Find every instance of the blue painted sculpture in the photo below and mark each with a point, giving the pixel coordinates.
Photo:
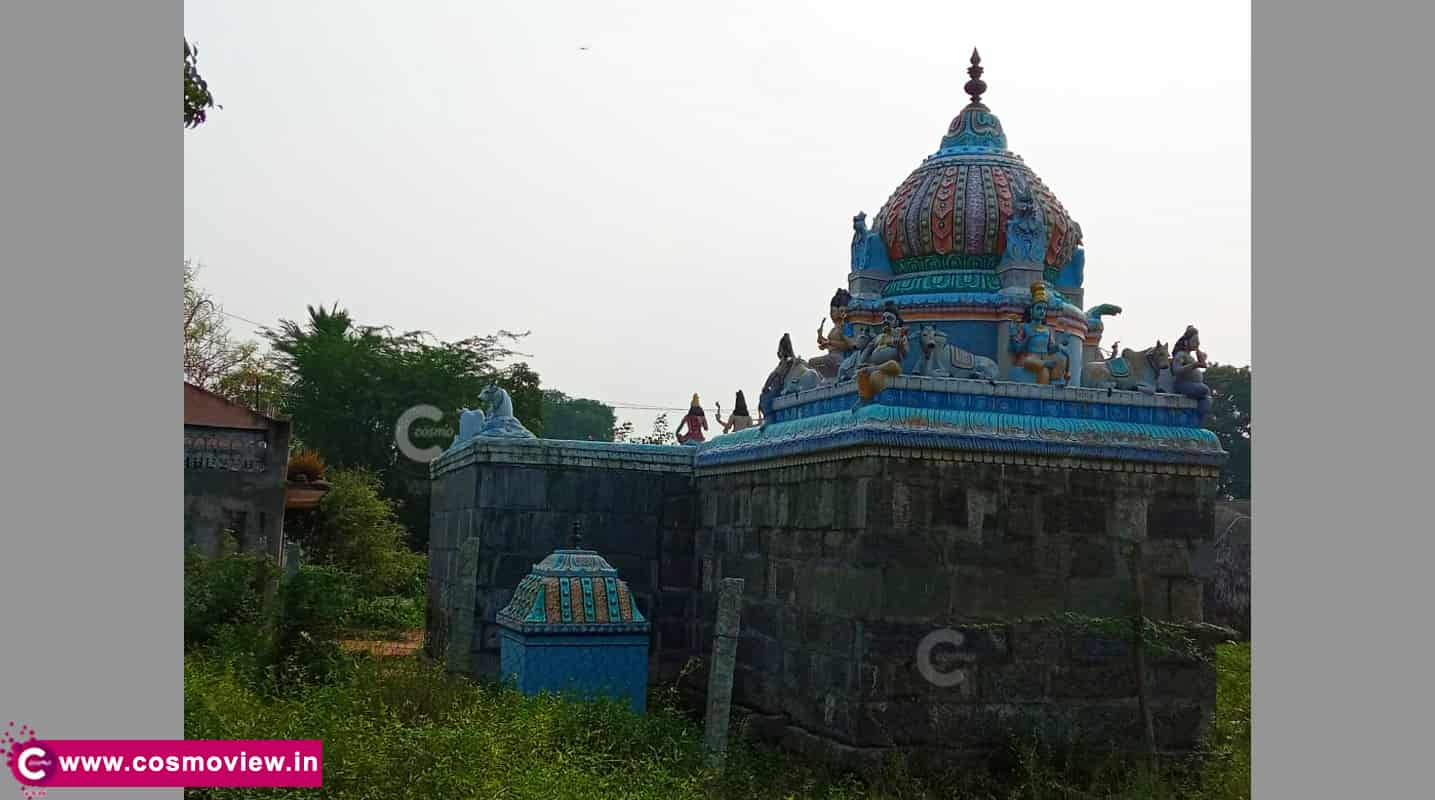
(470, 424)
(572, 628)
(1036, 344)
(499, 421)
(868, 252)
(1187, 365)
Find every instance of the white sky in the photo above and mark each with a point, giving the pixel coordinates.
(660, 208)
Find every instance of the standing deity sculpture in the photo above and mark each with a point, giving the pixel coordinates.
(838, 342)
(1026, 230)
(690, 429)
(1188, 363)
(1036, 345)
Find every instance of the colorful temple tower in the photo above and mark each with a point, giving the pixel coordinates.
(961, 241)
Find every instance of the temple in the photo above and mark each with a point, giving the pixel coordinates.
(961, 327)
(957, 458)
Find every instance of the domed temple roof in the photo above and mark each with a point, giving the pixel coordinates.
(572, 591)
(951, 212)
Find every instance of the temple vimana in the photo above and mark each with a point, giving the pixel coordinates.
(945, 516)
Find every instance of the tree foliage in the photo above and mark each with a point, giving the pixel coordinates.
(575, 418)
(1230, 419)
(209, 351)
(348, 385)
(197, 97)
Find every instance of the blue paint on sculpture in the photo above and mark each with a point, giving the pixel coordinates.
(1187, 365)
(1073, 274)
(498, 422)
(868, 252)
(572, 627)
(1040, 348)
(470, 424)
(1025, 231)
(501, 421)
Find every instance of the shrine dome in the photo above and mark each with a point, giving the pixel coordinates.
(572, 591)
(951, 212)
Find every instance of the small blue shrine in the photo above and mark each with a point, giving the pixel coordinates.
(572, 628)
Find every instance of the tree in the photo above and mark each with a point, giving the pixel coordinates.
(575, 418)
(660, 434)
(1230, 419)
(209, 352)
(259, 382)
(348, 385)
(197, 97)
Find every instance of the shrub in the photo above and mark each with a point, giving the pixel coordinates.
(306, 465)
(355, 528)
(393, 613)
(224, 591)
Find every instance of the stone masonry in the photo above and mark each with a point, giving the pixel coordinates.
(848, 563)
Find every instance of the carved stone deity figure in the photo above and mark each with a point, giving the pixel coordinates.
(1188, 363)
(838, 342)
(1036, 346)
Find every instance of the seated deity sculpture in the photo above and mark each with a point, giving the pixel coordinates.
(1188, 363)
(690, 429)
(882, 356)
(1035, 346)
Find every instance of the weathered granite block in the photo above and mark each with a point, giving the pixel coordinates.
(1013, 682)
(1175, 515)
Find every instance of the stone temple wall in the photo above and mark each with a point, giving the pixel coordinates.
(500, 509)
(849, 562)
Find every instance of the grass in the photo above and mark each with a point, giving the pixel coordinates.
(398, 728)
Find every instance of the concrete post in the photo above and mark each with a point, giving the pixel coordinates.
(293, 557)
(724, 659)
(459, 654)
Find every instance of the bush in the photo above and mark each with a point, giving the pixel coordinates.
(225, 591)
(391, 613)
(355, 529)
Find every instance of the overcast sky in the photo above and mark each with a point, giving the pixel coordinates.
(660, 207)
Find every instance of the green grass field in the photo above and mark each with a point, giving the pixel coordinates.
(395, 728)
